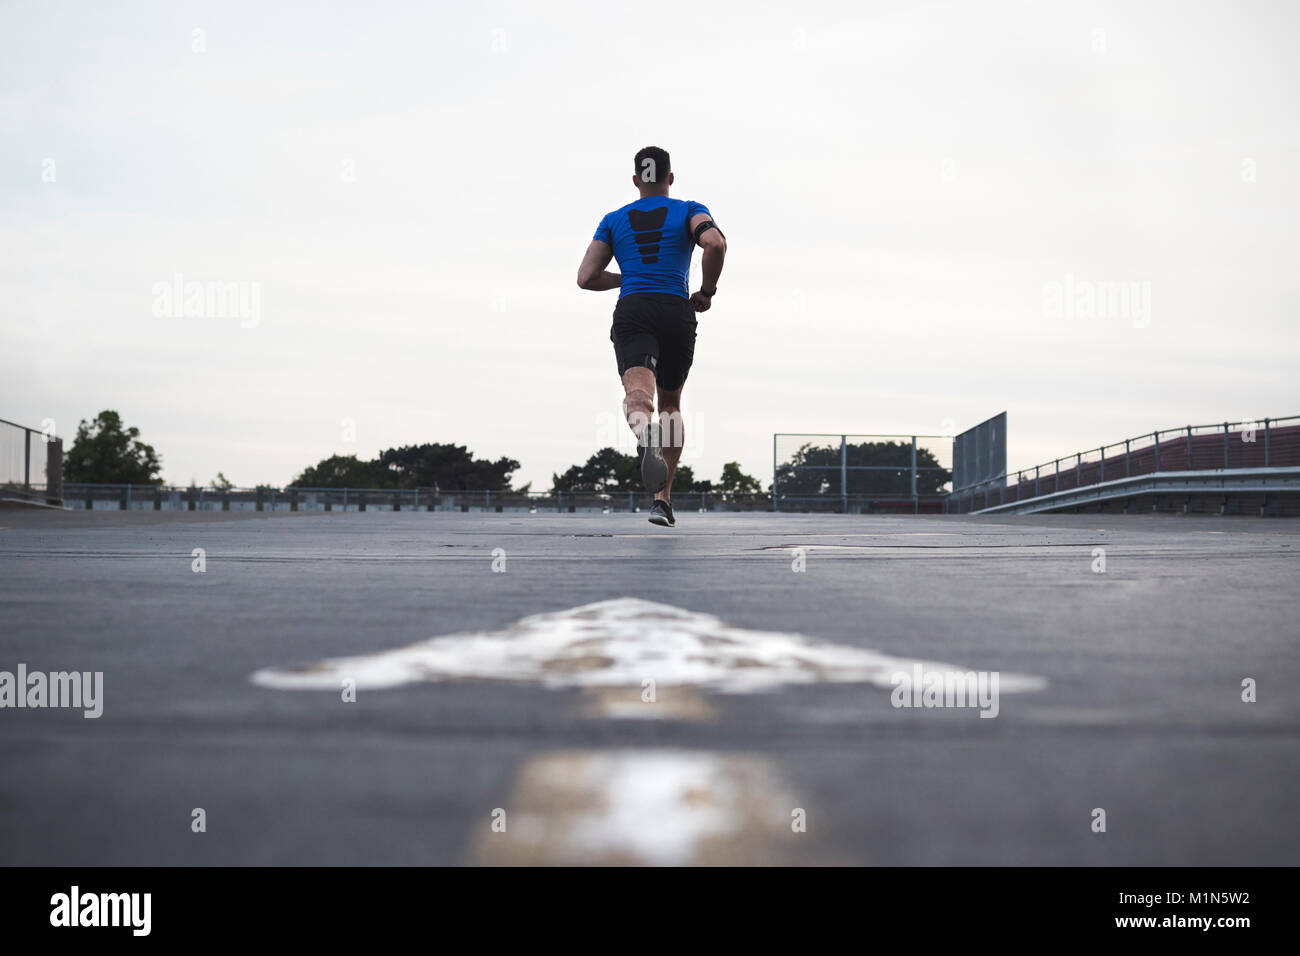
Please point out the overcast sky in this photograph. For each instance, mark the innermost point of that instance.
(920, 200)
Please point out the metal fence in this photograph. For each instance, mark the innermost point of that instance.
(1265, 443)
(860, 473)
(810, 472)
(31, 464)
(168, 498)
(979, 454)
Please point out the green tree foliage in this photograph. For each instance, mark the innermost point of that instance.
(341, 471)
(608, 471)
(447, 466)
(444, 466)
(684, 480)
(895, 480)
(106, 453)
(736, 482)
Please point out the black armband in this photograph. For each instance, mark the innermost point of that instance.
(704, 227)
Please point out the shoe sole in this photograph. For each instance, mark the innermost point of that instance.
(654, 470)
(662, 521)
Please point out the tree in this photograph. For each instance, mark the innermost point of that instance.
(449, 467)
(608, 471)
(106, 453)
(444, 466)
(815, 470)
(341, 471)
(222, 483)
(736, 482)
(684, 480)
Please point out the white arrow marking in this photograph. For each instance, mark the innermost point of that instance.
(620, 642)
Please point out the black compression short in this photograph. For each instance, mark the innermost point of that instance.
(655, 330)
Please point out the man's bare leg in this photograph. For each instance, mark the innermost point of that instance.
(674, 434)
(638, 398)
(638, 408)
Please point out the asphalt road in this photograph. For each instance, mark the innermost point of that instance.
(1138, 709)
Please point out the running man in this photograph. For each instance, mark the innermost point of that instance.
(654, 322)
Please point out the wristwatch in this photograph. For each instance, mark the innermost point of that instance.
(709, 295)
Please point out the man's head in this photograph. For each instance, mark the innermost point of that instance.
(653, 173)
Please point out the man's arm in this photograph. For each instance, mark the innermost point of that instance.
(592, 275)
(714, 244)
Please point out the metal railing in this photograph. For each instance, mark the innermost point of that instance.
(195, 498)
(1262, 444)
(31, 464)
(843, 482)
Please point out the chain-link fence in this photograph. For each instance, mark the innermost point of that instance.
(31, 463)
(860, 473)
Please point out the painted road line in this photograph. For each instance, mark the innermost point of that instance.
(670, 702)
(646, 808)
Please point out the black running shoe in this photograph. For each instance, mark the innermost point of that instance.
(654, 470)
(661, 512)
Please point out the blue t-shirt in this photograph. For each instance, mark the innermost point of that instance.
(652, 242)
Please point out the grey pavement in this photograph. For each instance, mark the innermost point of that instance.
(1142, 714)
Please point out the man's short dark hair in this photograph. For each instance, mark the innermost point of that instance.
(652, 164)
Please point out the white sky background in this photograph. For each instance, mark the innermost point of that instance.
(898, 183)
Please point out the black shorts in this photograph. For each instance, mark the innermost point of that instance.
(655, 330)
